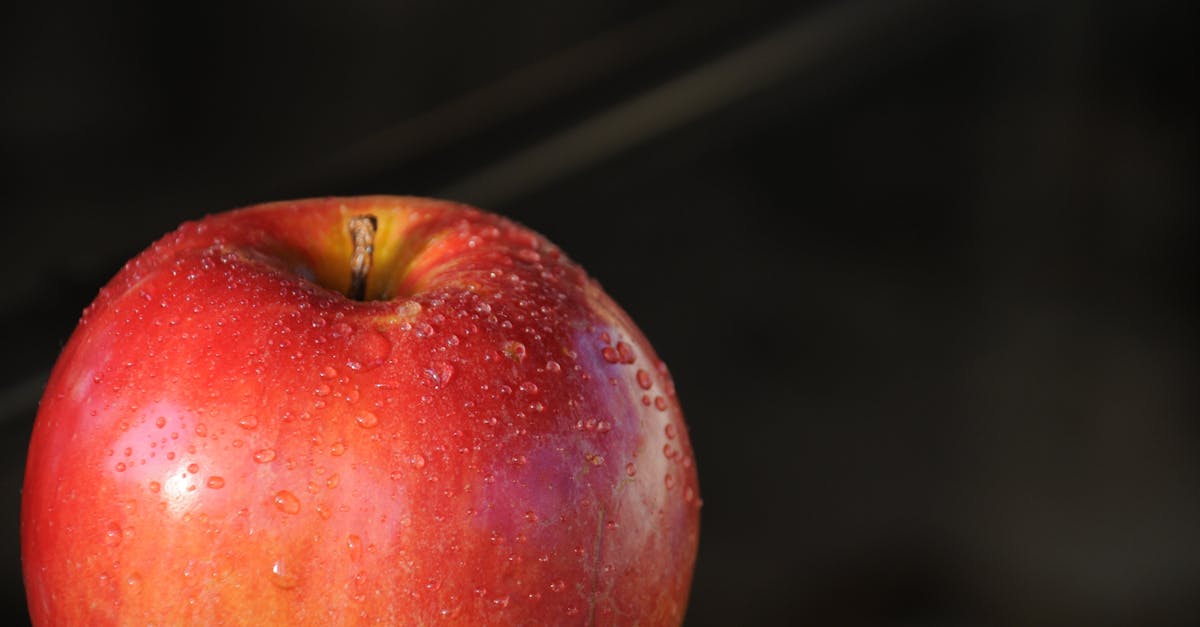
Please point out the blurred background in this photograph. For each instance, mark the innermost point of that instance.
(923, 270)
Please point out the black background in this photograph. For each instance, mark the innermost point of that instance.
(922, 269)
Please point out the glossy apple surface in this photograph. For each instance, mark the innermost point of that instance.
(485, 439)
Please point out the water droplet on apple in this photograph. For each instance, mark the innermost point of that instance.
(333, 480)
(626, 353)
(610, 355)
(423, 330)
(553, 367)
(366, 419)
(193, 468)
(134, 581)
(248, 422)
(155, 487)
(417, 460)
(370, 349)
(594, 459)
(322, 390)
(558, 585)
(264, 456)
(669, 481)
(337, 448)
(643, 379)
(216, 483)
(283, 576)
(287, 502)
(354, 546)
(408, 308)
(630, 469)
(440, 374)
(160, 422)
(528, 254)
(201, 430)
(112, 535)
(660, 403)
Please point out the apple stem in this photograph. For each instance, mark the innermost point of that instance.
(362, 234)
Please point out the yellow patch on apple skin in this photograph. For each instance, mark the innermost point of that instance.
(330, 257)
(393, 251)
(389, 246)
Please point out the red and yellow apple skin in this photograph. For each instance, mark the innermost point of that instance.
(487, 439)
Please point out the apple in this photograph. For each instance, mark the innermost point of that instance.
(358, 410)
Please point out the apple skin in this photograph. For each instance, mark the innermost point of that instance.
(487, 439)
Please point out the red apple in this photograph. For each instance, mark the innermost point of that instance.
(486, 438)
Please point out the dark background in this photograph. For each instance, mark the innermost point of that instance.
(922, 269)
